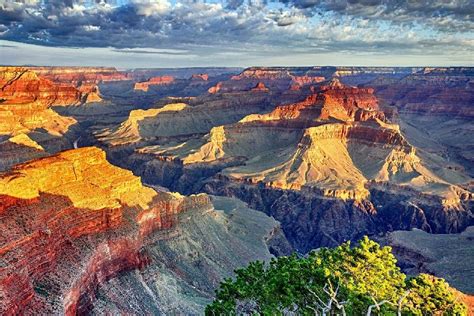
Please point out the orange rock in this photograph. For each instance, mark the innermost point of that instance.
(215, 89)
(70, 222)
(155, 81)
(19, 86)
(260, 87)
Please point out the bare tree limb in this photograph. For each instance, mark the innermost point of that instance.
(400, 301)
(376, 305)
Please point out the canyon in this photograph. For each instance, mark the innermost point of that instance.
(65, 236)
(120, 187)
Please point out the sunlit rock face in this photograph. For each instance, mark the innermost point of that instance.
(27, 98)
(155, 81)
(20, 86)
(70, 222)
(322, 150)
(78, 75)
(73, 222)
(29, 127)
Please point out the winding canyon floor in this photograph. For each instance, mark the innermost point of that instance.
(262, 162)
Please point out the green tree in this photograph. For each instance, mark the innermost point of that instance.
(430, 295)
(361, 280)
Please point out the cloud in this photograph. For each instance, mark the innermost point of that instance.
(255, 28)
(153, 52)
(443, 15)
(148, 8)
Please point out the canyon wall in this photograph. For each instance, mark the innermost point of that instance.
(63, 236)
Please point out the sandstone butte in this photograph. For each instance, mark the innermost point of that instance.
(215, 89)
(155, 81)
(71, 221)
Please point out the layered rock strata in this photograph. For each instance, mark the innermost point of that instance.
(64, 235)
(334, 157)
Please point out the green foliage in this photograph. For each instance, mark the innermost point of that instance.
(430, 295)
(337, 281)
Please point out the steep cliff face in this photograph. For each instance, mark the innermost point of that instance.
(20, 85)
(204, 247)
(63, 236)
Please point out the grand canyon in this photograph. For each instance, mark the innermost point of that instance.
(237, 157)
(138, 191)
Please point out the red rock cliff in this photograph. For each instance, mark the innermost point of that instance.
(20, 85)
(79, 75)
(71, 221)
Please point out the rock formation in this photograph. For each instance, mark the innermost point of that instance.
(203, 247)
(330, 153)
(337, 152)
(19, 148)
(90, 93)
(200, 77)
(65, 237)
(215, 89)
(260, 87)
(20, 85)
(62, 236)
(155, 81)
(80, 75)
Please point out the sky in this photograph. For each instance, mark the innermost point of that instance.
(165, 33)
